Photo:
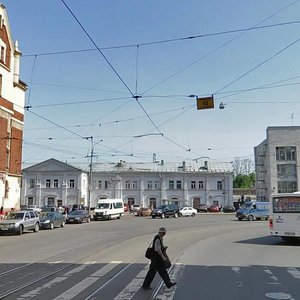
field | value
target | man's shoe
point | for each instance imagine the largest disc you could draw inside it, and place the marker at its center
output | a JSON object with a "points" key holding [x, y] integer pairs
{"points": [[171, 284], [146, 287]]}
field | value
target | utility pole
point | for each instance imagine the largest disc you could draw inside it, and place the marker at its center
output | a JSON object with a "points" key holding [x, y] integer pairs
{"points": [[90, 185]]}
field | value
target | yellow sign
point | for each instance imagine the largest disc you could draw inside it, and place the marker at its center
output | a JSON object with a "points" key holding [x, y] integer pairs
{"points": [[205, 103]]}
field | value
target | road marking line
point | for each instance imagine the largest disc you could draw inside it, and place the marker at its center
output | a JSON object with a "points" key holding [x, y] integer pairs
{"points": [[176, 274], [76, 289], [107, 268], [130, 290], [35, 292], [294, 272], [77, 269]]}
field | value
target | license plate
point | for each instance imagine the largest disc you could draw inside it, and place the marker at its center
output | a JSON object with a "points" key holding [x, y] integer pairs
{"points": [[289, 233]]}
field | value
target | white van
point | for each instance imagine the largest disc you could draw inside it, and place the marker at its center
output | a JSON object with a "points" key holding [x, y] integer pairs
{"points": [[107, 209]]}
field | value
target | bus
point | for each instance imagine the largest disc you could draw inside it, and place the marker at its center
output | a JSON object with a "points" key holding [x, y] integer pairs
{"points": [[284, 220]]}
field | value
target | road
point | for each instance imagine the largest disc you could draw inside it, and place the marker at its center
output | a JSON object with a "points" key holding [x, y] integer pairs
{"points": [[215, 257]]}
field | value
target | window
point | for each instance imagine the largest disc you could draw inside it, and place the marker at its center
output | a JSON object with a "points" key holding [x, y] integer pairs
{"points": [[193, 185], [55, 183], [287, 186], [31, 183], [134, 184], [171, 184], [156, 185], [6, 192], [219, 185], [106, 183], [2, 55], [201, 185], [100, 184], [48, 183], [127, 184], [149, 185], [286, 153], [178, 185], [72, 183], [30, 200], [286, 170]]}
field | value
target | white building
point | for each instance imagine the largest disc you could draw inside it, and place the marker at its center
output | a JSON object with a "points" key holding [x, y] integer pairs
{"points": [[54, 183], [277, 161], [155, 184], [12, 99]]}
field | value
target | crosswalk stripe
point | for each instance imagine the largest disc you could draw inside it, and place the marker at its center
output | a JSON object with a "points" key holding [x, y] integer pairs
{"points": [[175, 276], [294, 272], [79, 287], [76, 289], [130, 290], [40, 289]]}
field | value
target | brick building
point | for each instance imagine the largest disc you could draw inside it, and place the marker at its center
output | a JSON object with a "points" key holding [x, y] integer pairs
{"points": [[12, 98]]}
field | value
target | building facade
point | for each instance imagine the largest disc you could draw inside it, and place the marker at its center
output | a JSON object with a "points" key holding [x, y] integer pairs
{"points": [[277, 161], [153, 184], [12, 100], [54, 183]]}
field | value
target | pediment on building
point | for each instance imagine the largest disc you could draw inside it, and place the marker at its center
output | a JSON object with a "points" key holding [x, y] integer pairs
{"points": [[51, 165]]}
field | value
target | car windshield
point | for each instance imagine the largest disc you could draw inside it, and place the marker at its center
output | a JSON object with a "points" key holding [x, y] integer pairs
{"points": [[162, 206], [103, 205], [247, 205], [46, 215], [76, 212], [15, 216]]}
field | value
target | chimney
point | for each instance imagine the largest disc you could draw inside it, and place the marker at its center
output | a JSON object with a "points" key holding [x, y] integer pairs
{"points": [[17, 55]]}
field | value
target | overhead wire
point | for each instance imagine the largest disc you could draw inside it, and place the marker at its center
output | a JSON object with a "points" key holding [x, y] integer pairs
{"points": [[168, 40]]}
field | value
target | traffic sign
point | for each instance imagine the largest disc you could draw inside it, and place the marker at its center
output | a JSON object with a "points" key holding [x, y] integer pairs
{"points": [[205, 103]]}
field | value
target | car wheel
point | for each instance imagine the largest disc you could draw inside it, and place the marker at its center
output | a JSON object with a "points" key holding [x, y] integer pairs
{"points": [[240, 219], [109, 217], [162, 216], [193, 214], [120, 216], [176, 215], [250, 218], [51, 225], [88, 220], [20, 231], [153, 217], [36, 227], [63, 224]]}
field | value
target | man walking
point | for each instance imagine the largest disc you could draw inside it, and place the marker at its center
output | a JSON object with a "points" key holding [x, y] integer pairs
{"points": [[158, 262]]}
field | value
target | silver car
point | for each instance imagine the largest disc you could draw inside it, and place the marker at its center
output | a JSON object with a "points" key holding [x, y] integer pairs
{"points": [[19, 221]]}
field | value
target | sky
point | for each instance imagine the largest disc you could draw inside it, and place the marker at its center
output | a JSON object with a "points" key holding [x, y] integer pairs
{"points": [[116, 77]]}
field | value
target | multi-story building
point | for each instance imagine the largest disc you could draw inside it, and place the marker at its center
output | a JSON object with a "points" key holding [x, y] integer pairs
{"points": [[54, 183], [153, 184], [277, 161], [12, 99]]}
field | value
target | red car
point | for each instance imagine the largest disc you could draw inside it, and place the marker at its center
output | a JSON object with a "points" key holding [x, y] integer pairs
{"points": [[213, 208]]}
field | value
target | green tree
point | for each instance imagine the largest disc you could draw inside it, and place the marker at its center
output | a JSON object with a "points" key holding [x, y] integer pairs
{"points": [[244, 181]]}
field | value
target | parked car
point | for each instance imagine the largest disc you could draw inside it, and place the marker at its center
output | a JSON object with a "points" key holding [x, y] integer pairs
{"points": [[165, 211], [48, 208], [135, 209], [187, 211], [35, 208], [202, 208], [78, 216], [213, 208], [228, 209], [51, 220], [19, 221], [145, 212]]}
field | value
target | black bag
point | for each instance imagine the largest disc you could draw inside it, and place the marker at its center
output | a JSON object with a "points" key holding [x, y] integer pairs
{"points": [[149, 253]]}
